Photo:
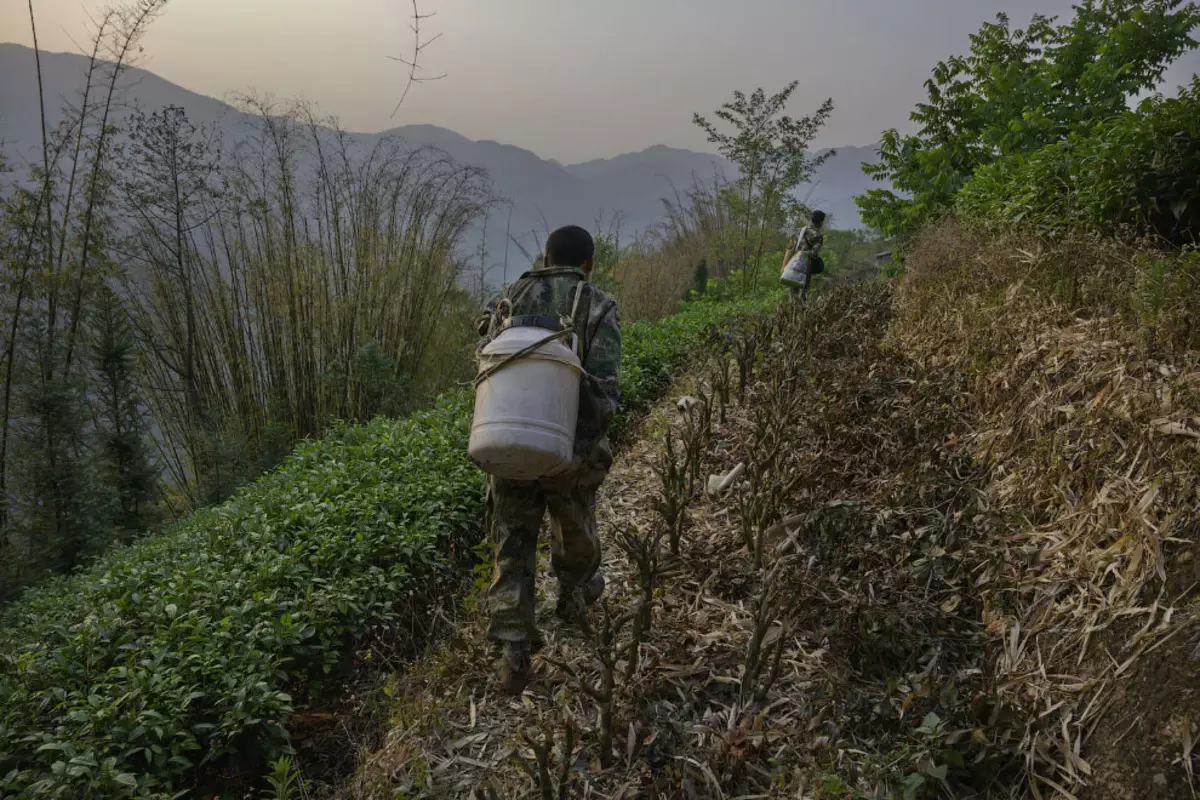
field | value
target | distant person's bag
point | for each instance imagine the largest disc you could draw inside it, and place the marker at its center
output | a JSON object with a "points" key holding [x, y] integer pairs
{"points": [[817, 266], [794, 272]]}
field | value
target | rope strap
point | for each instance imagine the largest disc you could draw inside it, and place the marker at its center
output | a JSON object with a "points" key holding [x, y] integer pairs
{"points": [[493, 369], [568, 329]]}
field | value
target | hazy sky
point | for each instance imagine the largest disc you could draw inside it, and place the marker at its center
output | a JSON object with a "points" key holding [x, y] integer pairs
{"points": [[568, 79]]}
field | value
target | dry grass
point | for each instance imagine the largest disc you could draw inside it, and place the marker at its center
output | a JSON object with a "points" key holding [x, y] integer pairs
{"points": [[1081, 385], [978, 565], [657, 271], [685, 724], [653, 280]]}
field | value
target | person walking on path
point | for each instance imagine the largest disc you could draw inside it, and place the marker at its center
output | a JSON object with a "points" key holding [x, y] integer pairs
{"points": [[516, 508], [809, 244]]}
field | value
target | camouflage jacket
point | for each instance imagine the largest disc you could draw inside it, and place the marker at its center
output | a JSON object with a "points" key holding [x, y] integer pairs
{"points": [[810, 241], [551, 292]]}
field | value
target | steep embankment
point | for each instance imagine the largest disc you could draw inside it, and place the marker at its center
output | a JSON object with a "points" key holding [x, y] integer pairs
{"points": [[971, 497], [1076, 368]]}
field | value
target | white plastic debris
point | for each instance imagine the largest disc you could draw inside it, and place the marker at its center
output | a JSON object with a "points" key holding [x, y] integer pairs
{"points": [[719, 484]]}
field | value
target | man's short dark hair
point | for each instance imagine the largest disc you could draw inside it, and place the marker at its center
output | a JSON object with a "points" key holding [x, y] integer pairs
{"points": [[818, 217], [571, 246]]}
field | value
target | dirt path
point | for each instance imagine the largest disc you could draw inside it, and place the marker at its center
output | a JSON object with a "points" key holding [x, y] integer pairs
{"points": [[719, 703], [457, 735]]}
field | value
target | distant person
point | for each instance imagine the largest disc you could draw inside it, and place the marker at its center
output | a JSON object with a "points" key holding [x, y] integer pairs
{"points": [[809, 244], [515, 507]]}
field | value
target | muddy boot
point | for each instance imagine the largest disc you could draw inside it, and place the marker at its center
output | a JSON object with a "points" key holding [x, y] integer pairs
{"points": [[515, 666], [573, 603]]}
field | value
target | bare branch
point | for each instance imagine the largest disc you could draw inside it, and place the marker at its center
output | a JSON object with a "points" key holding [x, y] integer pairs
{"points": [[414, 64]]}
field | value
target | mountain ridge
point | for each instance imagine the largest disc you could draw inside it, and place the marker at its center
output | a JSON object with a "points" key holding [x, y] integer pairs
{"points": [[540, 192]]}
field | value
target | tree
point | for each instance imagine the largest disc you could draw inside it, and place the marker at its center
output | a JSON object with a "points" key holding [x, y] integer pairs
{"points": [[58, 521], [171, 187], [1018, 91], [146, 283], [606, 260], [771, 151], [128, 478], [58, 229], [1131, 176]]}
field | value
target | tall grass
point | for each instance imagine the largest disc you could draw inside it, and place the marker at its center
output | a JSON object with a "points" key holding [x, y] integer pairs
{"points": [[320, 283], [697, 248]]}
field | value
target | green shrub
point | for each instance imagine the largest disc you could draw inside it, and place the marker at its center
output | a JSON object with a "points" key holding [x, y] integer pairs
{"points": [[182, 648], [1137, 172], [119, 680], [1018, 91]]}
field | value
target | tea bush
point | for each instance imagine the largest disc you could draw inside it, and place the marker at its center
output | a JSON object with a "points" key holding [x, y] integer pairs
{"points": [[173, 651], [181, 649]]}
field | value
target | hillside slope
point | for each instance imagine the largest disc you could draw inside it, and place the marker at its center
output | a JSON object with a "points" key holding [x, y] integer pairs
{"points": [[961, 561], [184, 659]]}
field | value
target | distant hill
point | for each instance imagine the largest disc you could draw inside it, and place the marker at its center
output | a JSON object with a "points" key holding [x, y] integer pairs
{"points": [[542, 192], [641, 180]]}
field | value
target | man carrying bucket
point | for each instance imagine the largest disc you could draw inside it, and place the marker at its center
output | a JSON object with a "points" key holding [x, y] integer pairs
{"points": [[559, 290], [808, 247]]}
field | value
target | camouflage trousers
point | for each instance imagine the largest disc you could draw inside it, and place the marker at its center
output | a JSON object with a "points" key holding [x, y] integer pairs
{"points": [[802, 292], [516, 509]]}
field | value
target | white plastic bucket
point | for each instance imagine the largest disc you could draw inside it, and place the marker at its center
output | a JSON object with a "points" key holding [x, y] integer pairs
{"points": [[525, 411]]}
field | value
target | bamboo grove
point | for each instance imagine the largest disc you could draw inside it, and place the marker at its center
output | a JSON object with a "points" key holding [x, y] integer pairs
{"points": [[177, 310]]}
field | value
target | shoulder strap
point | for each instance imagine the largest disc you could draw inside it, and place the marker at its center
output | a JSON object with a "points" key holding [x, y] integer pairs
{"points": [[502, 309], [581, 314], [499, 310]]}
